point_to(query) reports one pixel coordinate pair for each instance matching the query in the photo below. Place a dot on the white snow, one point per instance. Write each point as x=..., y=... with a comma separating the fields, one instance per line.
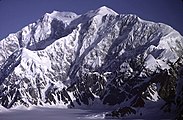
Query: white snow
x=150, y=62
x=105, y=10
x=163, y=64
x=153, y=90
x=88, y=44
x=2, y=109
x=47, y=113
x=66, y=17
x=150, y=111
x=30, y=60
x=101, y=11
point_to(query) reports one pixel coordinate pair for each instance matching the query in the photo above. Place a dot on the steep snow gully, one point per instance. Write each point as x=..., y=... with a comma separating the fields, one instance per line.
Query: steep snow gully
x=98, y=60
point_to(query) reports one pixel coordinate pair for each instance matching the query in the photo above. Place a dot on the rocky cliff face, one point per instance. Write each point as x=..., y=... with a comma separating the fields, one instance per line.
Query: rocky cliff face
x=70, y=59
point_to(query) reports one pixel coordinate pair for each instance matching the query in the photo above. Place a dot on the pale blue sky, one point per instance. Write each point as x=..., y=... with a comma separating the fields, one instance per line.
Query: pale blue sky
x=15, y=14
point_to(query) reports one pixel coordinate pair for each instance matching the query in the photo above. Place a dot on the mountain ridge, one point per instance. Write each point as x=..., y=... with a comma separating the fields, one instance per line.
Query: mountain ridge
x=71, y=59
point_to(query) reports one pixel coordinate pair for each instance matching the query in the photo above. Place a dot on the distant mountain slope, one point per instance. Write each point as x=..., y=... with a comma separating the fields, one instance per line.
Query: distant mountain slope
x=117, y=59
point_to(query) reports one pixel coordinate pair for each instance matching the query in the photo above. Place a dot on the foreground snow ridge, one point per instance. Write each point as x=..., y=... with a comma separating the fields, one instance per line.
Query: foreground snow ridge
x=101, y=60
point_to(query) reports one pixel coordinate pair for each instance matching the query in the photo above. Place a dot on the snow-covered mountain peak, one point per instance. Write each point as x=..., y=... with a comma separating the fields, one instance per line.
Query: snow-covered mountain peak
x=105, y=10
x=77, y=51
x=102, y=11
x=65, y=17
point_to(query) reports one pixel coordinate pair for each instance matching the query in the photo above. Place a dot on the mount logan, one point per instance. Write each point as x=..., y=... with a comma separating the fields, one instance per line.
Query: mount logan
x=99, y=59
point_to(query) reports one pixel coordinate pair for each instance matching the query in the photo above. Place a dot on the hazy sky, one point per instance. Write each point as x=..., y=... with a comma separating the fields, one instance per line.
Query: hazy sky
x=15, y=14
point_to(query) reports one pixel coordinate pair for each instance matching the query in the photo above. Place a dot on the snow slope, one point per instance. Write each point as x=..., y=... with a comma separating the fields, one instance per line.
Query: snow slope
x=49, y=113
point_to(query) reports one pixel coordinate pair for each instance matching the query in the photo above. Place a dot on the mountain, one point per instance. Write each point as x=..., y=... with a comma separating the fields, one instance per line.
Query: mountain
x=98, y=58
